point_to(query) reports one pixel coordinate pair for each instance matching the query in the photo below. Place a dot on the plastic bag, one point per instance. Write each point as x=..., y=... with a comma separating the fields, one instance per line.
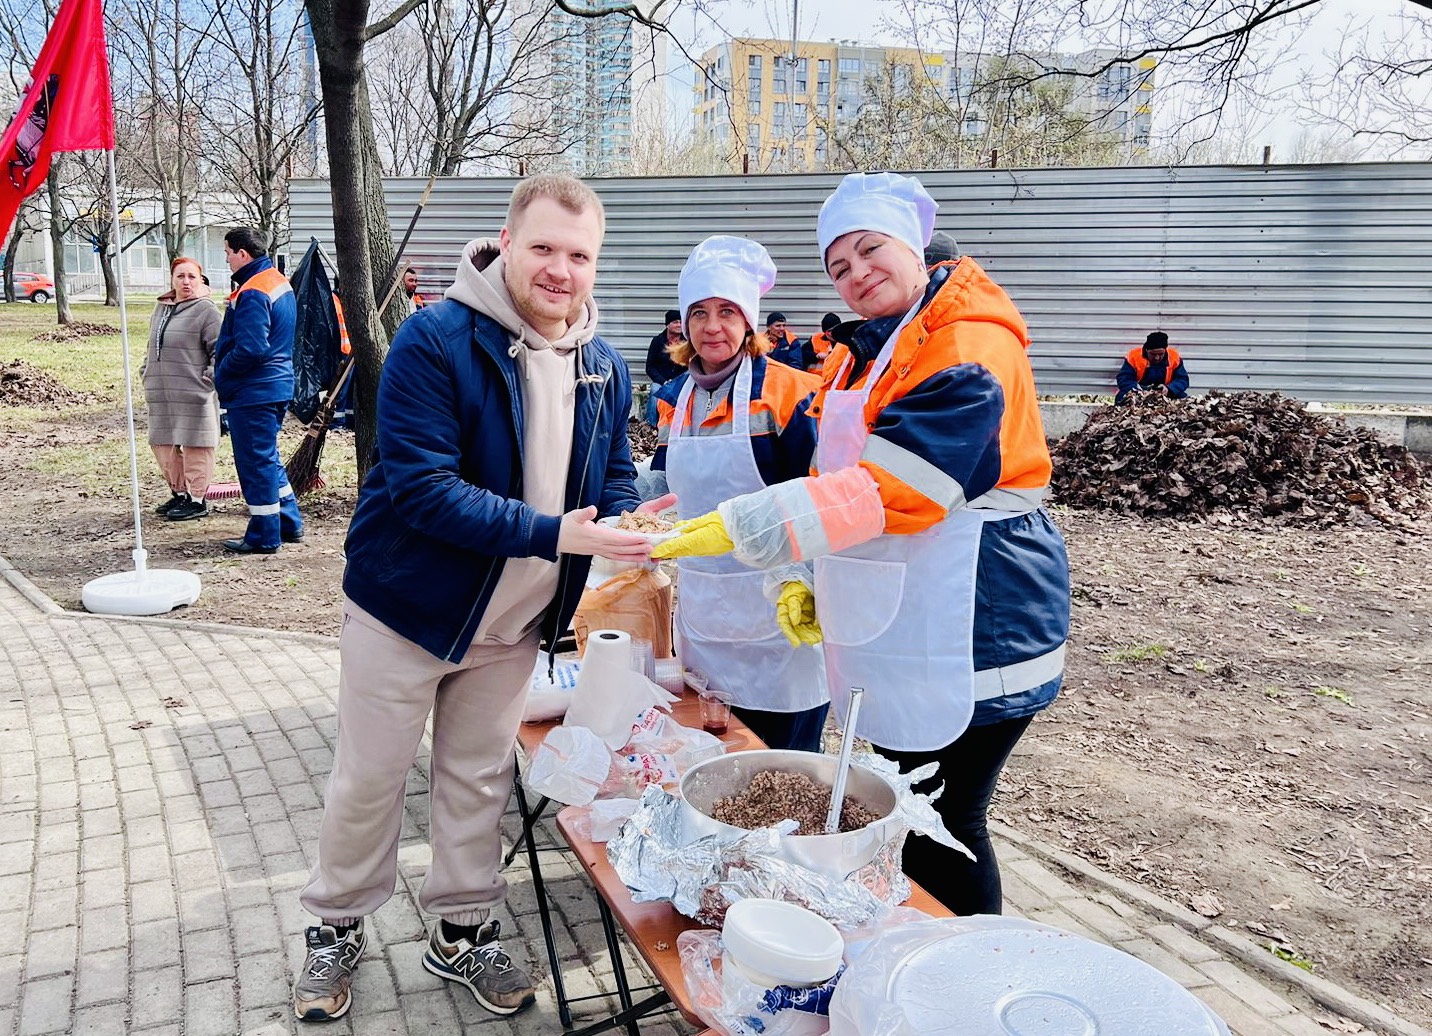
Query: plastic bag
x=603, y=818
x=570, y=765
x=548, y=697
x=728, y=1001
x=609, y=699
x=659, y=734
x=637, y=601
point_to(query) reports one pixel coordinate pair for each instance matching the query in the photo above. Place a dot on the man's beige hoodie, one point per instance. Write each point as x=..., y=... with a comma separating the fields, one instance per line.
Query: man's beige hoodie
x=548, y=375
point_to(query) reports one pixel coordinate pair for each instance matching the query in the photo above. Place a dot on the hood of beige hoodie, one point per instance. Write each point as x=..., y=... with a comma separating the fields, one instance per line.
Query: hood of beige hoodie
x=480, y=284
x=549, y=369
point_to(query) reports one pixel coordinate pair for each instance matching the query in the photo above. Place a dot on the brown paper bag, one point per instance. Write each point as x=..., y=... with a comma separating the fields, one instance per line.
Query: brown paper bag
x=637, y=601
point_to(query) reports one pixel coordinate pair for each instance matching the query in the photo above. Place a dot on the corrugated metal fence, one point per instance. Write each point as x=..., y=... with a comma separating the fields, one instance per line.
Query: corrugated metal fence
x=1312, y=280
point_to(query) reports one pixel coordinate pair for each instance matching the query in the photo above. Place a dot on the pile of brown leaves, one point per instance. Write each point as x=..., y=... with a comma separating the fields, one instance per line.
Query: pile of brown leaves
x=1242, y=454
x=22, y=384
x=76, y=329
x=643, y=439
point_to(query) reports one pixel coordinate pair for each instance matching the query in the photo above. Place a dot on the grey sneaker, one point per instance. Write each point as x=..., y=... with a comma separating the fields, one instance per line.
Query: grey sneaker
x=322, y=991
x=483, y=967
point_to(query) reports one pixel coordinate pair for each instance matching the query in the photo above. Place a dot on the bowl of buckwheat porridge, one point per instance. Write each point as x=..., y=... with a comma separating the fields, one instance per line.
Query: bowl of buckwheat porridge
x=748, y=790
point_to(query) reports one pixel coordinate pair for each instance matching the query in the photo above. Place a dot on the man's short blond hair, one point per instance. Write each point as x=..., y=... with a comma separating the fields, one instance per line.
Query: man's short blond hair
x=567, y=191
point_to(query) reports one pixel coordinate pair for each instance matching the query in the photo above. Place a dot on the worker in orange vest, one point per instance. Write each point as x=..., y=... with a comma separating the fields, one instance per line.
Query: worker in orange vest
x=1153, y=371
x=821, y=343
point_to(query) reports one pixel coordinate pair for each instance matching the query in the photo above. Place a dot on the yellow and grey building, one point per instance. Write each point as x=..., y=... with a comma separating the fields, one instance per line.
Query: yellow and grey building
x=768, y=112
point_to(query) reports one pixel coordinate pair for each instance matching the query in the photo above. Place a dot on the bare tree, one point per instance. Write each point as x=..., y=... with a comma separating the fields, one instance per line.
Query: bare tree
x=27, y=221
x=1201, y=46
x=1380, y=91
x=161, y=74
x=657, y=150
x=259, y=109
x=341, y=32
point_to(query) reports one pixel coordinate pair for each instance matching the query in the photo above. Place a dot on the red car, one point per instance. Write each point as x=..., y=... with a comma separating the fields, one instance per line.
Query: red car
x=34, y=286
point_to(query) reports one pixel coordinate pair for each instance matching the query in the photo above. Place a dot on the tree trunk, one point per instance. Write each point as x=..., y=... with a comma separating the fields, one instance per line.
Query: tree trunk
x=14, y=243
x=57, y=245
x=109, y=261
x=338, y=38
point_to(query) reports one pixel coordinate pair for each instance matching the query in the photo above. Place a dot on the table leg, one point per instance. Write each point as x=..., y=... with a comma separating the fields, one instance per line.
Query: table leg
x=627, y=1017
x=614, y=948
x=539, y=887
x=530, y=819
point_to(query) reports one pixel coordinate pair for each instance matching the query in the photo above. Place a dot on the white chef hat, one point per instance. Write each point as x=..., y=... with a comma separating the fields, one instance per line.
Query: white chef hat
x=726, y=267
x=886, y=202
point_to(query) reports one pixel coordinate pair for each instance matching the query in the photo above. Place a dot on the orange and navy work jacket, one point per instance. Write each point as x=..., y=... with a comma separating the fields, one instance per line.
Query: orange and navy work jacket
x=953, y=424
x=954, y=420
x=787, y=350
x=782, y=430
x=821, y=344
x=1136, y=373
x=253, y=357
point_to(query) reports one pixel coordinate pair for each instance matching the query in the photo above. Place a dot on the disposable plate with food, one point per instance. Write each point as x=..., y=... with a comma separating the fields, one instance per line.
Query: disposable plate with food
x=654, y=528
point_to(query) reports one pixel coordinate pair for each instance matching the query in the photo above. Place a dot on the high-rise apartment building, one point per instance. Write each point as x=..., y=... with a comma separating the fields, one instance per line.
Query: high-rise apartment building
x=601, y=79
x=769, y=110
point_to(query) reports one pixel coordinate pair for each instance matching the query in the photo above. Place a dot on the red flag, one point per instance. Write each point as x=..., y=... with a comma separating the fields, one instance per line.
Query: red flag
x=66, y=107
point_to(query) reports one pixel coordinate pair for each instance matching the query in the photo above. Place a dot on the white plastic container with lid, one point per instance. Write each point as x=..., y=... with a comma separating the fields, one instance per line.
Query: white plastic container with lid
x=768, y=943
x=781, y=944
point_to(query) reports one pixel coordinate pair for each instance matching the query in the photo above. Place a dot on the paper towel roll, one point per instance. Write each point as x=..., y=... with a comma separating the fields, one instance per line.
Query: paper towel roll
x=607, y=646
x=607, y=697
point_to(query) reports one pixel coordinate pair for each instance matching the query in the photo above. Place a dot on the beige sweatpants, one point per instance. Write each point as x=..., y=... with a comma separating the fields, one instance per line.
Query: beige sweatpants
x=187, y=469
x=387, y=686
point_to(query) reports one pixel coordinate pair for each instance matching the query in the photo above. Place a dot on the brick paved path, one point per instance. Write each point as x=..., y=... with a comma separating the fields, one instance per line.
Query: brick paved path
x=160, y=792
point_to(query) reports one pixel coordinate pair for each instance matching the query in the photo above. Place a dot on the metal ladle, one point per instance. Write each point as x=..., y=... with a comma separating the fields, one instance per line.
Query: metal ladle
x=842, y=764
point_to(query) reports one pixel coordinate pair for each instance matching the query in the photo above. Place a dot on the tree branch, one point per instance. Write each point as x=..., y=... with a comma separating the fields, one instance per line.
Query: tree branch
x=382, y=25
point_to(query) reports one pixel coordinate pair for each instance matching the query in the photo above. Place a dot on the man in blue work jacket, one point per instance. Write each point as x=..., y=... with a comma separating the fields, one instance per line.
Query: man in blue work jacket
x=253, y=373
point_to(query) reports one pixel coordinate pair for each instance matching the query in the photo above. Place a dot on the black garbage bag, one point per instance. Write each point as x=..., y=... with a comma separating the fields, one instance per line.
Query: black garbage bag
x=317, y=353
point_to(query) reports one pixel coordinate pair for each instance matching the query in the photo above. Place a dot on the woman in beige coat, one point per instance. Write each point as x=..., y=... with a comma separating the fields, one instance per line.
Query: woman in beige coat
x=179, y=390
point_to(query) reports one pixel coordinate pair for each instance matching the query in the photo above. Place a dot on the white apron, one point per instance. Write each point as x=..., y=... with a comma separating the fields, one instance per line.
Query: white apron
x=725, y=627
x=897, y=611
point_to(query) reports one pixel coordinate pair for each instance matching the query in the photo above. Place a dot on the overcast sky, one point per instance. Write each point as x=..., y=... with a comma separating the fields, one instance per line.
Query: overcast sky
x=1286, y=55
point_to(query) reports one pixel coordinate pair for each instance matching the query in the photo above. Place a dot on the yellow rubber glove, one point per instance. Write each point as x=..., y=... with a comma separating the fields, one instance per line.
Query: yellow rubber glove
x=795, y=614
x=701, y=537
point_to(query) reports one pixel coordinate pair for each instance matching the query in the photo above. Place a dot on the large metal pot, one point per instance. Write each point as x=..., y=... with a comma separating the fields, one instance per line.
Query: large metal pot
x=837, y=854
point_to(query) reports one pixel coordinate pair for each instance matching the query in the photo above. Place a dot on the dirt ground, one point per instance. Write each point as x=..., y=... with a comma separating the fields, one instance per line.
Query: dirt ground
x=1246, y=725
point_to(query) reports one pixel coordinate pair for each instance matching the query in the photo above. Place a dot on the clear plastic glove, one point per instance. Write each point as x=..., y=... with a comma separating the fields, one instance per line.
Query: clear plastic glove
x=701, y=537
x=795, y=614
x=580, y=534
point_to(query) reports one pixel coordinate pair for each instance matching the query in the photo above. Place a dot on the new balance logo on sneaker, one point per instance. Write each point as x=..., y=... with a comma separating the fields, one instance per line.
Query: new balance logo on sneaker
x=483, y=967
x=323, y=990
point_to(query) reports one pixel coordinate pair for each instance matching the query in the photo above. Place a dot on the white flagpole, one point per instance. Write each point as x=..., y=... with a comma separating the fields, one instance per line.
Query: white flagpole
x=141, y=556
x=145, y=591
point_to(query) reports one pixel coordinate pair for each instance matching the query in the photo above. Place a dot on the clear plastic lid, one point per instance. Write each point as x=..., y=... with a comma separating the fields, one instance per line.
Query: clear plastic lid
x=1018, y=978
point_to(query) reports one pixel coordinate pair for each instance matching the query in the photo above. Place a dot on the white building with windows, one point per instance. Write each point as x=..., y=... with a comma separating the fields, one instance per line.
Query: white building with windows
x=143, y=259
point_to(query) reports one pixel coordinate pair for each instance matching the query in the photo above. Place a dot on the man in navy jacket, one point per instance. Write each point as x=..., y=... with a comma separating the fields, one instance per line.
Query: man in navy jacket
x=253, y=373
x=501, y=437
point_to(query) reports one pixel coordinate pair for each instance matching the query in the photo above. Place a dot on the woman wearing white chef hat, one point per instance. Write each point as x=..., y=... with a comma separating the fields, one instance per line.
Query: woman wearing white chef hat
x=941, y=585
x=735, y=423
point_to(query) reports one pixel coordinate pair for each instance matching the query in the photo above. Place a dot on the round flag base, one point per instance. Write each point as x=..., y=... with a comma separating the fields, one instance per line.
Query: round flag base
x=150, y=592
